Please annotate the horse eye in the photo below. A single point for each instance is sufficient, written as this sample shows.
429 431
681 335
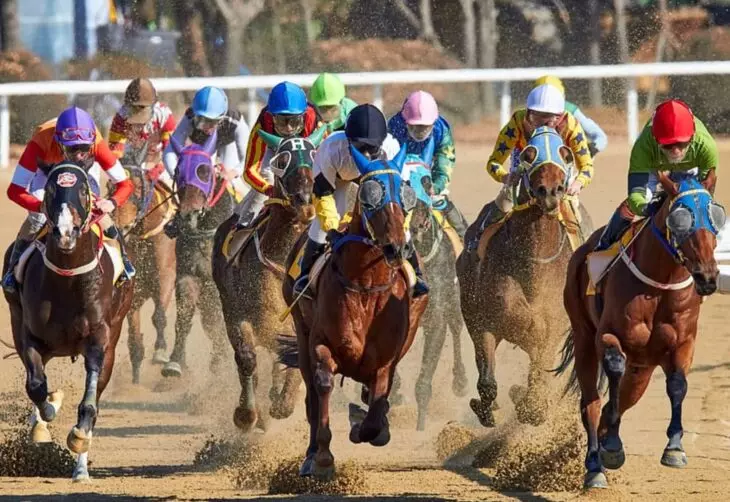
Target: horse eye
680 220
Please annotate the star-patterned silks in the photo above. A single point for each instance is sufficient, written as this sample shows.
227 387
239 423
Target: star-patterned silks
510 133
502 147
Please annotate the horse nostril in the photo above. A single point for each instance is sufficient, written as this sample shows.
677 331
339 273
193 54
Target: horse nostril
542 191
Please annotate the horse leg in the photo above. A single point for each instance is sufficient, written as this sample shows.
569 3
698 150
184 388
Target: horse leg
533 404
311 400
485 345
159 321
324 461
674 455
374 427
435 335
165 259
614 366
460 380
396 397
135 343
36 383
241 338
283 405
211 311
186 300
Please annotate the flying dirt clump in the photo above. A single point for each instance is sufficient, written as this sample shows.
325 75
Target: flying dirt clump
19 456
349 479
452 438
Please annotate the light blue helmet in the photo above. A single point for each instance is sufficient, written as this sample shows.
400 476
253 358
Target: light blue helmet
287 98
210 102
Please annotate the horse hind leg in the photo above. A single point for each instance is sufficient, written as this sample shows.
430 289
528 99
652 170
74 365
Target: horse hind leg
159 321
372 426
39 428
246 413
612 449
135 343
186 301
324 461
283 403
435 335
674 455
460 381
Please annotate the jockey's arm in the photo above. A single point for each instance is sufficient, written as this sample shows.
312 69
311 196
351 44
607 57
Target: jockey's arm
443 162
169 157
254 160
117 135
168 126
123 186
576 139
22 177
596 136
504 145
325 167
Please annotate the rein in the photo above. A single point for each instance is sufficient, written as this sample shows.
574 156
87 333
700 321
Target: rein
350 285
437 236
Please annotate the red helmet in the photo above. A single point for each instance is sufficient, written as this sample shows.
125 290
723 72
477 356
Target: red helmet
673 122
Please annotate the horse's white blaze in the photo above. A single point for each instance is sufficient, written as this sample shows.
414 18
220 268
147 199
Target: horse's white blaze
65 221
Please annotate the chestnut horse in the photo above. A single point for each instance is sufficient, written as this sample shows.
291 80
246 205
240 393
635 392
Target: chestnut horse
512 292
204 204
248 270
68 306
142 219
362 319
644 314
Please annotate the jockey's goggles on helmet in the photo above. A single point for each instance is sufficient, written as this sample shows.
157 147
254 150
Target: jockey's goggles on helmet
419 132
76 134
675 146
370 151
539 119
329 112
206 124
288 124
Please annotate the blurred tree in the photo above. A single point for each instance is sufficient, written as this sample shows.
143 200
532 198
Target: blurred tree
488 39
422 22
9 25
237 15
192 48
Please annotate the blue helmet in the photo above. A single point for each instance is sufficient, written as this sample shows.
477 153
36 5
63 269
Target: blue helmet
210 102
75 126
287 98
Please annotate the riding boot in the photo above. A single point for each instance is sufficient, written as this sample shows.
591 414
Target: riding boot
420 288
617 225
129 271
456 219
10 283
312 251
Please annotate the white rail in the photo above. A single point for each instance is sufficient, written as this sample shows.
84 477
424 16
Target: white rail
374 79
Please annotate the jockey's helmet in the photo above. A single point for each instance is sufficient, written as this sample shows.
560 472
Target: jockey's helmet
366 129
287 103
210 102
76 135
673 123
327 90
551 80
139 98
546 98
420 113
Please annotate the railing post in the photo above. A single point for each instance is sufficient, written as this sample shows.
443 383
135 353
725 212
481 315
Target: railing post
253 113
632 108
4 133
378 96
505 104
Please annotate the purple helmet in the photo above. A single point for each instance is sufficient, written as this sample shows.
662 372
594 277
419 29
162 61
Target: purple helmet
75 127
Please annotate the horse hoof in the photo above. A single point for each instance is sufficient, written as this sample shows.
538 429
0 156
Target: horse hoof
81 478
355 434
595 480
47 411
674 458
160 357
383 438
307 468
78 441
483 412
324 473
40 433
244 418
279 411
612 459
172 369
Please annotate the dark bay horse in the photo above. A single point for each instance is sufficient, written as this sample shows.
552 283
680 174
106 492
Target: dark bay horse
512 292
644 315
68 306
142 219
204 204
439 255
362 319
248 270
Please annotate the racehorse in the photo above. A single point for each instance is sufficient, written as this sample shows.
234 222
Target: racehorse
510 289
204 205
362 319
643 313
68 306
248 269
439 254
142 219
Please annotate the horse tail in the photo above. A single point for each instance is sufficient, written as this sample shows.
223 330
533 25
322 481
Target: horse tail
288 351
567 360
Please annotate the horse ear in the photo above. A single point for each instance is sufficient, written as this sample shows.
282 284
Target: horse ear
710 181
210 143
176 145
361 161
272 140
669 186
529 154
317 136
566 154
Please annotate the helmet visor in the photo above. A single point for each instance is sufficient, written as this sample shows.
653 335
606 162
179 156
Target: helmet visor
288 125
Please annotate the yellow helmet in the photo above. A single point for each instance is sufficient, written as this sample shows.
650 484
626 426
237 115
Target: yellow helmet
554 81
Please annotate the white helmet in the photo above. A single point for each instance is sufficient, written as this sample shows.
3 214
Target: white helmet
546 98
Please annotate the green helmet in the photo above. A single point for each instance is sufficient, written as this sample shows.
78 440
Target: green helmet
327 90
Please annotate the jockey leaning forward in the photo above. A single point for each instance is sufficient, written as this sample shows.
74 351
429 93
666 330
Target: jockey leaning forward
328 96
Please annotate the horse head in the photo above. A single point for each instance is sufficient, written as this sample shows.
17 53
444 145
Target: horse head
195 178
546 164
67 205
129 213
292 167
420 180
384 200
688 222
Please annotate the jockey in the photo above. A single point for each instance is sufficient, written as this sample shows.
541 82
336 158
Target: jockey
427 134
209 113
673 140
545 107
328 95
286 114
143 120
597 139
72 137
334 171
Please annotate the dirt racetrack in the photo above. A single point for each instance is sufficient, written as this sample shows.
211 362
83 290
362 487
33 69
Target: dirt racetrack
147 436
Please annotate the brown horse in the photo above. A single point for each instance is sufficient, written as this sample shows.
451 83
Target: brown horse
511 292
363 319
204 205
248 269
67 306
142 219
644 315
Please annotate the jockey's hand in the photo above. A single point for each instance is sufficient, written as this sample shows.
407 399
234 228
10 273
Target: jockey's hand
575 188
269 192
154 174
333 236
106 206
511 179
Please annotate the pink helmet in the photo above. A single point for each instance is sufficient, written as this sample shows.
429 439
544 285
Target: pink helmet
420 109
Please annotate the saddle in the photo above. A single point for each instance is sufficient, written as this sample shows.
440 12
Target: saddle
599 263
449 231
238 238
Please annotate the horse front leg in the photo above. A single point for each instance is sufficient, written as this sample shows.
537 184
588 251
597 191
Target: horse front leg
460 381
323 379
674 455
186 301
240 335
214 325
614 367
165 260
434 331
45 404
485 346
372 426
